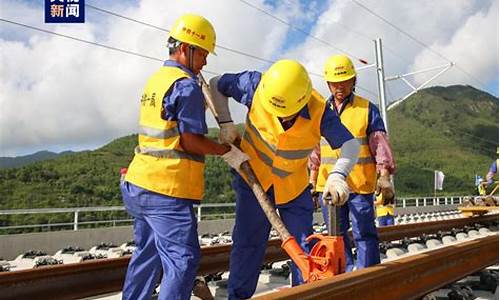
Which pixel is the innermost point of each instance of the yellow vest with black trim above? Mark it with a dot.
(279, 157)
(363, 177)
(384, 210)
(481, 189)
(160, 164)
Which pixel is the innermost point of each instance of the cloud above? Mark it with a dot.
(463, 31)
(57, 93)
(477, 56)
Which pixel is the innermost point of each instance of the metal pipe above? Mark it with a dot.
(417, 72)
(381, 82)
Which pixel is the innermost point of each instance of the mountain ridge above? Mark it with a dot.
(21, 160)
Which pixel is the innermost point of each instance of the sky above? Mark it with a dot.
(61, 94)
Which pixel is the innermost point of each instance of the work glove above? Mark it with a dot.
(385, 187)
(228, 133)
(337, 189)
(235, 157)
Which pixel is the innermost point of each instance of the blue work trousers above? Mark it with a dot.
(165, 233)
(251, 233)
(359, 209)
(385, 220)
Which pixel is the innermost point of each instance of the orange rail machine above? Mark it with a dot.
(326, 258)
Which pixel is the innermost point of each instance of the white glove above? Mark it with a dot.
(235, 157)
(336, 187)
(228, 133)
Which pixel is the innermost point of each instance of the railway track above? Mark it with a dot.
(413, 276)
(407, 278)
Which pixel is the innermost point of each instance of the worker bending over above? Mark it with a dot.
(285, 120)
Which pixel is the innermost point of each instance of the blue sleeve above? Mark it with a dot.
(240, 86)
(493, 168)
(185, 104)
(375, 122)
(333, 130)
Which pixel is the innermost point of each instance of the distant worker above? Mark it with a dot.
(481, 188)
(363, 120)
(490, 177)
(384, 209)
(165, 178)
(285, 120)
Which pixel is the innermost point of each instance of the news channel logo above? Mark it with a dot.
(64, 11)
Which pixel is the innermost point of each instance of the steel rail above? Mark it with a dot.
(407, 278)
(97, 277)
(389, 233)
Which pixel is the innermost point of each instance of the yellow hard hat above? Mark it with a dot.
(194, 30)
(339, 68)
(285, 88)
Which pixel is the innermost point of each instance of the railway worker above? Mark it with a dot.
(285, 120)
(384, 209)
(490, 176)
(363, 120)
(166, 175)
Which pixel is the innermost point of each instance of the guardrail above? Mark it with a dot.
(429, 201)
(202, 212)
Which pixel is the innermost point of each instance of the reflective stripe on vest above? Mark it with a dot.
(287, 154)
(169, 153)
(158, 133)
(277, 156)
(160, 163)
(266, 159)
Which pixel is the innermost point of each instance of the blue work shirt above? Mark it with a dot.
(375, 122)
(184, 103)
(242, 86)
(493, 167)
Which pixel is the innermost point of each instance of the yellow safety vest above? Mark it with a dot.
(160, 164)
(279, 157)
(384, 210)
(363, 177)
(481, 190)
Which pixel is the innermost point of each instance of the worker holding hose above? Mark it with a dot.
(286, 119)
(363, 120)
(166, 176)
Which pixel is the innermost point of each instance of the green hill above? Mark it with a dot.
(89, 178)
(452, 129)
